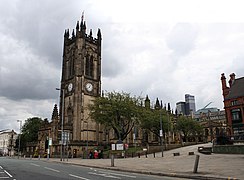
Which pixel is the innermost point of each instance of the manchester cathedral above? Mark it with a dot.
(71, 131)
(80, 84)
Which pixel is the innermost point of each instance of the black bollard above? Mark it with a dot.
(196, 164)
(154, 154)
(139, 155)
(112, 160)
(146, 154)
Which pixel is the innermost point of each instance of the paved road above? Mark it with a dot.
(23, 169)
(215, 166)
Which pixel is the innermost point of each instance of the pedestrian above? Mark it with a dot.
(95, 154)
(91, 155)
(101, 154)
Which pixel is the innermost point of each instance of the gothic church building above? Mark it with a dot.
(80, 84)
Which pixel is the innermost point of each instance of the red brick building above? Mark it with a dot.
(234, 103)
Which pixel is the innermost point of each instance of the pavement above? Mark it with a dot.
(214, 166)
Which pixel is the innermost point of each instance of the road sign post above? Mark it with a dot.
(48, 150)
(119, 147)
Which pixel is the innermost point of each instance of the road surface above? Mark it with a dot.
(21, 169)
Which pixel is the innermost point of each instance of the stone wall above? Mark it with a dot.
(228, 149)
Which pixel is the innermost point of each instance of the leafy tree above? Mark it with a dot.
(29, 132)
(188, 127)
(150, 120)
(118, 111)
(198, 130)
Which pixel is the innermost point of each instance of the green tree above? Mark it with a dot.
(118, 111)
(29, 131)
(198, 130)
(188, 127)
(150, 120)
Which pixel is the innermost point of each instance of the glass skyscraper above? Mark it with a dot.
(190, 106)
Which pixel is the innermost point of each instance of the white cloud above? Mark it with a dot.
(20, 68)
(11, 111)
(161, 48)
(172, 11)
(181, 38)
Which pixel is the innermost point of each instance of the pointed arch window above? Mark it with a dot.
(71, 66)
(70, 115)
(89, 65)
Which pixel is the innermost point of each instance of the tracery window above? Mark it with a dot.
(89, 65)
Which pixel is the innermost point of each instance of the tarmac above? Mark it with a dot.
(214, 166)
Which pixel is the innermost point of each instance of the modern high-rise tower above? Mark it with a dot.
(190, 106)
(180, 107)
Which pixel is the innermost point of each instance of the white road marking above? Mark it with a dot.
(5, 177)
(52, 169)
(78, 177)
(35, 164)
(8, 173)
(116, 174)
(104, 175)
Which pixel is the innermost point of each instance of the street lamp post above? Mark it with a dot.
(161, 133)
(168, 127)
(20, 127)
(62, 124)
(67, 144)
(86, 138)
(134, 137)
(3, 146)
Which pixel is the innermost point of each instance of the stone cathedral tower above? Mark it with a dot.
(80, 83)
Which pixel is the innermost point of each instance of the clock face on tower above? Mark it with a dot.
(89, 87)
(70, 87)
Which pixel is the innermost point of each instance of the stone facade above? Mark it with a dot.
(214, 124)
(80, 84)
(7, 142)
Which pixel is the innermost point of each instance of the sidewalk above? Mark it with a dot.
(214, 166)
